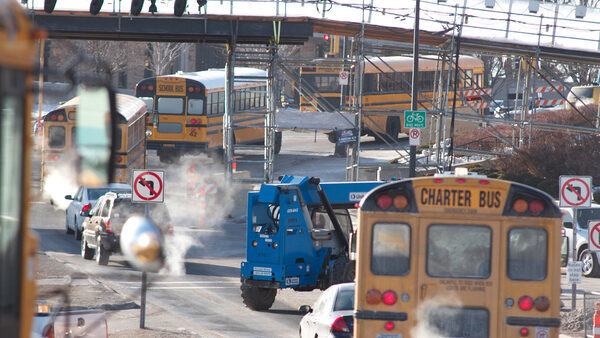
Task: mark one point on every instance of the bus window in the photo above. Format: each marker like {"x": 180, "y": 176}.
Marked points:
{"x": 56, "y": 136}
{"x": 195, "y": 106}
{"x": 118, "y": 138}
{"x": 149, "y": 101}
{"x": 391, "y": 249}
{"x": 170, "y": 105}
{"x": 459, "y": 251}
{"x": 74, "y": 138}
{"x": 527, "y": 254}
{"x": 221, "y": 101}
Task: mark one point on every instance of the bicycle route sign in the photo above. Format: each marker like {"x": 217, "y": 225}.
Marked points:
{"x": 148, "y": 186}
{"x": 414, "y": 119}
{"x": 575, "y": 191}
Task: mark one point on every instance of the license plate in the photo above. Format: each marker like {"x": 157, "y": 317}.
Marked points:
{"x": 260, "y": 271}
{"x": 292, "y": 281}
{"x": 388, "y": 335}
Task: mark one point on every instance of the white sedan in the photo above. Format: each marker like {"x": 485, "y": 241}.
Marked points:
{"x": 331, "y": 315}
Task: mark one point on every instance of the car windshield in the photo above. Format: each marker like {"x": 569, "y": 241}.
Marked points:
{"x": 584, "y": 216}
{"x": 125, "y": 208}
{"x": 95, "y": 193}
{"x": 344, "y": 300}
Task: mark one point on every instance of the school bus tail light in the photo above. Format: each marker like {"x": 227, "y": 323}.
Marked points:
{"x": 389, "y": 297}
{"x": 536, "y": 206}
{"x": 524, "y": 332}
{"x": 525, "y": 303}
{"x": 384, "y": 201}
{"x": 541, "y": 303}
{"x": 389, "y": 326}
{"x": 373, "y": 297}
{"x": 400, "y": 201}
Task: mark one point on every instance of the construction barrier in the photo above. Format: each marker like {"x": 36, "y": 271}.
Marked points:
{"x": 549, "y": 102}
{"x": 548, "y": 89}
{"x": 476, "y": 92}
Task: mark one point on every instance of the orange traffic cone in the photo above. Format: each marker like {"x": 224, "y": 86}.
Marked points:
{"x": 596, "y": 327}
{"x": 234, "y": 165}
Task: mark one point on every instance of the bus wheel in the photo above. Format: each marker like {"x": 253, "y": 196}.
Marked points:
{"x": 590, "y": 263}
{"x": 392, "y": 128}
{"x": 278, "y": 142}
{"x": 332, "y": 137}
{"x": 258, "y": 299}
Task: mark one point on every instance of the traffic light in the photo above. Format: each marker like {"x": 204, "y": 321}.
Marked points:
{"x": 95, "y": 6}
{"x": 179, "y": 7}
{"x": 136, "y": 7}
{"x": 49, "y": 5}
{"x": 326, "y": 37}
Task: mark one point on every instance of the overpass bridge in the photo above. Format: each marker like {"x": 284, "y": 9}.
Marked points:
{"x": 549, "y": 36}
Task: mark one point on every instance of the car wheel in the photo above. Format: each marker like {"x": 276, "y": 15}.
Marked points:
{"x": 258, "y": 299}
{"x": 590, "y": 263}
{"x": 69, "y": 230}
{"x": 86, "y": 251}
{"x": 76, "y": 231}
{"x": 101, "y": 253}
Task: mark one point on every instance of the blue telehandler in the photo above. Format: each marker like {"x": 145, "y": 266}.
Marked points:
{"x": 297, "y": 236}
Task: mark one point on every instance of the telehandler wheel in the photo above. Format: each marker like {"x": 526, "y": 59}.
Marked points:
{"x": 341, "y": 271}
{"x": 258, "y": 299}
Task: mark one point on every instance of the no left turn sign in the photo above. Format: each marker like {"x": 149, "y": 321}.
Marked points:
{"x": 148, "y": 186}
{"x": 575, "y": 191}
{"x": 594, "y": 235}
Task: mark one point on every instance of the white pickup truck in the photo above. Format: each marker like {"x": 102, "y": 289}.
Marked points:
{"x": 591, "y": 267}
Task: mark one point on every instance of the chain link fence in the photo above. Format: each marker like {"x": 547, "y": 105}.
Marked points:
{"x": 590, "y": 299}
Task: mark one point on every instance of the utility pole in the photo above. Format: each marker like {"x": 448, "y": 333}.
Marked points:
{"x": 415, "y": 87}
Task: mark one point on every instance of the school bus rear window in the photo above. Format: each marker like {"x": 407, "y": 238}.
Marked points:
{"x": 390, "y": 249}
{"x": 527, "y": 253}
{"x": 170, "y": 105}
{"x": 56, "y": 136}
{"x": 459, "y": 251}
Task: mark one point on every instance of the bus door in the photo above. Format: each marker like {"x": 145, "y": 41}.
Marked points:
{"x": 169, "y": 120}
{"x": 457, "y": 277}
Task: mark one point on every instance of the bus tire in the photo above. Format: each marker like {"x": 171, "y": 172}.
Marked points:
{"x": 86, "y": 251}
{"x": 258, "y": 299}
{"x": 278, "y": 142}
{"x": 590, "y": 263}
{"x": 392, "y": 128}
{"x": 102, "y": 254}
{"x": 332, "y": 137}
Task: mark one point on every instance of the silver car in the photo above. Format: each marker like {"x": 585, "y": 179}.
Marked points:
{"x": 331, "y": 315}
{"x": 83, "y": 201}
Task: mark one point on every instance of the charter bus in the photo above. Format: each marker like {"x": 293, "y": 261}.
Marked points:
{"x": 59, "y": 141}
{"x": 387, "y": 86}
{"x": 457, "y": 255}
{"x": 17, "y": 245}
{"x": 186, "y": 111}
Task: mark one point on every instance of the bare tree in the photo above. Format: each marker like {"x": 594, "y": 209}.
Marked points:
{"x": 161, "y": 56}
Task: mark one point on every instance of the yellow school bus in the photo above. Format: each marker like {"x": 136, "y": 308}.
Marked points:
{"x": 387, "y": 87}
{"x": 59, "y": 141}
{"x": 186, "y": 111}
{"x": 457, "y": 255}
{"x": 17, "y": 245}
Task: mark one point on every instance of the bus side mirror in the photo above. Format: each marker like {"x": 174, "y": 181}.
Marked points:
{"x": 95, "y": 125}
{"x": 155, "y": 119}
{"x": 142, "y": 244}
{"x": 568, "y": 225}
